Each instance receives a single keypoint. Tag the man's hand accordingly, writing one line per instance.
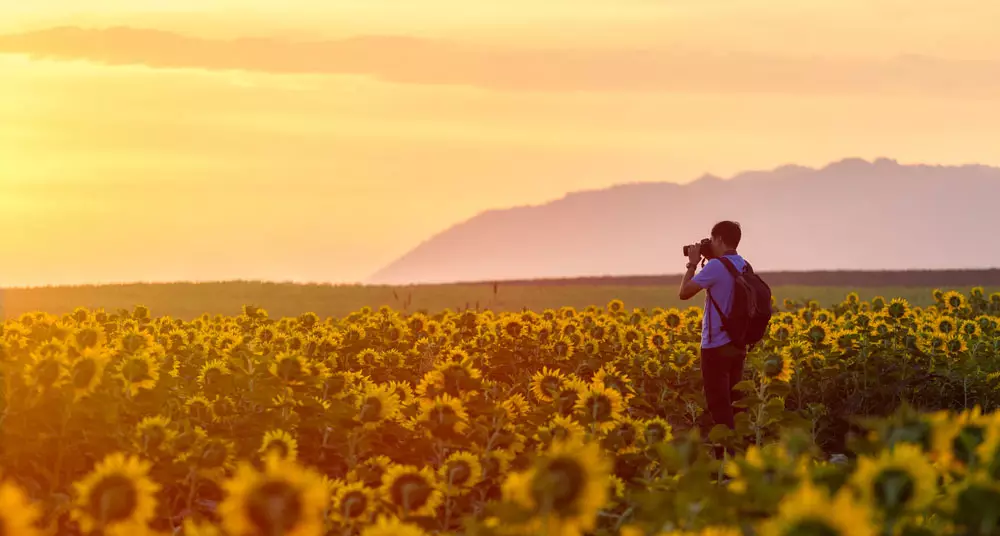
(694, 253)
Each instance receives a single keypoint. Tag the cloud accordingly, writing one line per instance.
(413, 60)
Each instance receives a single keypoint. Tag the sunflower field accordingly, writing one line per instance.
(865, 418)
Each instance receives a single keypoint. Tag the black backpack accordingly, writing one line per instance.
(751, 306)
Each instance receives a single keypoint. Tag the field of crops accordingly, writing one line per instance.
(865, 418)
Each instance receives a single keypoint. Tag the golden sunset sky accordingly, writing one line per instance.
(318, 140)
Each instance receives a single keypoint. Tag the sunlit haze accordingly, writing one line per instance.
(319, 140)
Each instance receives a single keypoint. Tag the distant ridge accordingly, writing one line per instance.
(849, 215)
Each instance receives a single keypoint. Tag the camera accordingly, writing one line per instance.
(704, 247)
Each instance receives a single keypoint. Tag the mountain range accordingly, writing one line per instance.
(849, 215)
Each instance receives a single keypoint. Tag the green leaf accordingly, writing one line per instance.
(745, 386)
(719, 433)
(781, 389)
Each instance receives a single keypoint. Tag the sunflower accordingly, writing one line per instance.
(458, 378)
(652, 367)
(401, 389)
(86, 372)
(953, 300)
(443, 415)
(956, 438)
(779, 332)
(17, 514)
(46, 369)
(153, 433)
(546, 383)
(390, 526)
(810, 510)
(370, 471)
(376, 405)
(367, 358)
(90, 336)
(609, 376)
(898, 479)
(817, 333)
(411, 491)
(212, 371)
(279, 443)
(657, 340)
(460, 472)
(291, 368)
(777, 367)
(134, 341)
(138, 371)
(199, 408)
(563, 348)
(563, 490)
(624, 437)
(211, 457)
(116, 495)
(655, 431)
(285, 498)
(682, 358)
(616, 306)
(598, 406)
(352, 503)
(515, 406)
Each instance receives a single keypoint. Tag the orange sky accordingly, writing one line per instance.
(177, 149)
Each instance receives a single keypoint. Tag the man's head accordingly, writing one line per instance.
(726, 236)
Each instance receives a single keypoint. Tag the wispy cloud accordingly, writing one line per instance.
(412, 60)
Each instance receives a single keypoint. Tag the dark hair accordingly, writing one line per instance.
(729, 231)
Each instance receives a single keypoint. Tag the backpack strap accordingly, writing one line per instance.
(722, 317)
(730, 267)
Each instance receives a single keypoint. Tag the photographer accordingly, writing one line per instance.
(721, 359)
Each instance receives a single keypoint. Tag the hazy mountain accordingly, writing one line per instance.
(851, 214)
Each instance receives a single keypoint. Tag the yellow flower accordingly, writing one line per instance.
(545, 384)
(291, 368)
(152, 433)
(352, 503)
(138, 371)
(86, 372)
(46, 370)
(194, 528)
(212, 372)
(279, 443)
(563, 490)
(598, 406)
(118, 494)
(809, 510)
(778, 367)
(390, 526)
(460, 472)
(411, 491)
(956, 439)
(285, 498)
(376, 405)
(655, 431)
(17, 514)
(444, 415)
(953, 300)
(898, 479)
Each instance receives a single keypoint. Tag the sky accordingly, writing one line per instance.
(319, 140)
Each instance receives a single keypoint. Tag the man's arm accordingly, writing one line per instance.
(689, 287)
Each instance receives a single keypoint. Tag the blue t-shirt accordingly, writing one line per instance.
(715, 278)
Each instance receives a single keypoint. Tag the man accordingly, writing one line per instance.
(721, 360)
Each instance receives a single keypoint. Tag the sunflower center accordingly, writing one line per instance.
(213, 455)
(893, 488)
(964, 445)
(289, 368)
(87, 338)
(153, 437)
(276, 445)
(354, 504)
(212, 376)
(113, 499)
(411, 491)
(655, 433)
(773, 366)
(459, 473)
(47, 372)
(371, 410)
(812, 527)
(550, 385)
(136, 370)
(567, 400)
(559, 485)
(598, 408)
(274, 508)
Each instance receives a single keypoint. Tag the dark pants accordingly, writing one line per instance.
(721, 370)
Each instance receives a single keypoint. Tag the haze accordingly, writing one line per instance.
(321, 140)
